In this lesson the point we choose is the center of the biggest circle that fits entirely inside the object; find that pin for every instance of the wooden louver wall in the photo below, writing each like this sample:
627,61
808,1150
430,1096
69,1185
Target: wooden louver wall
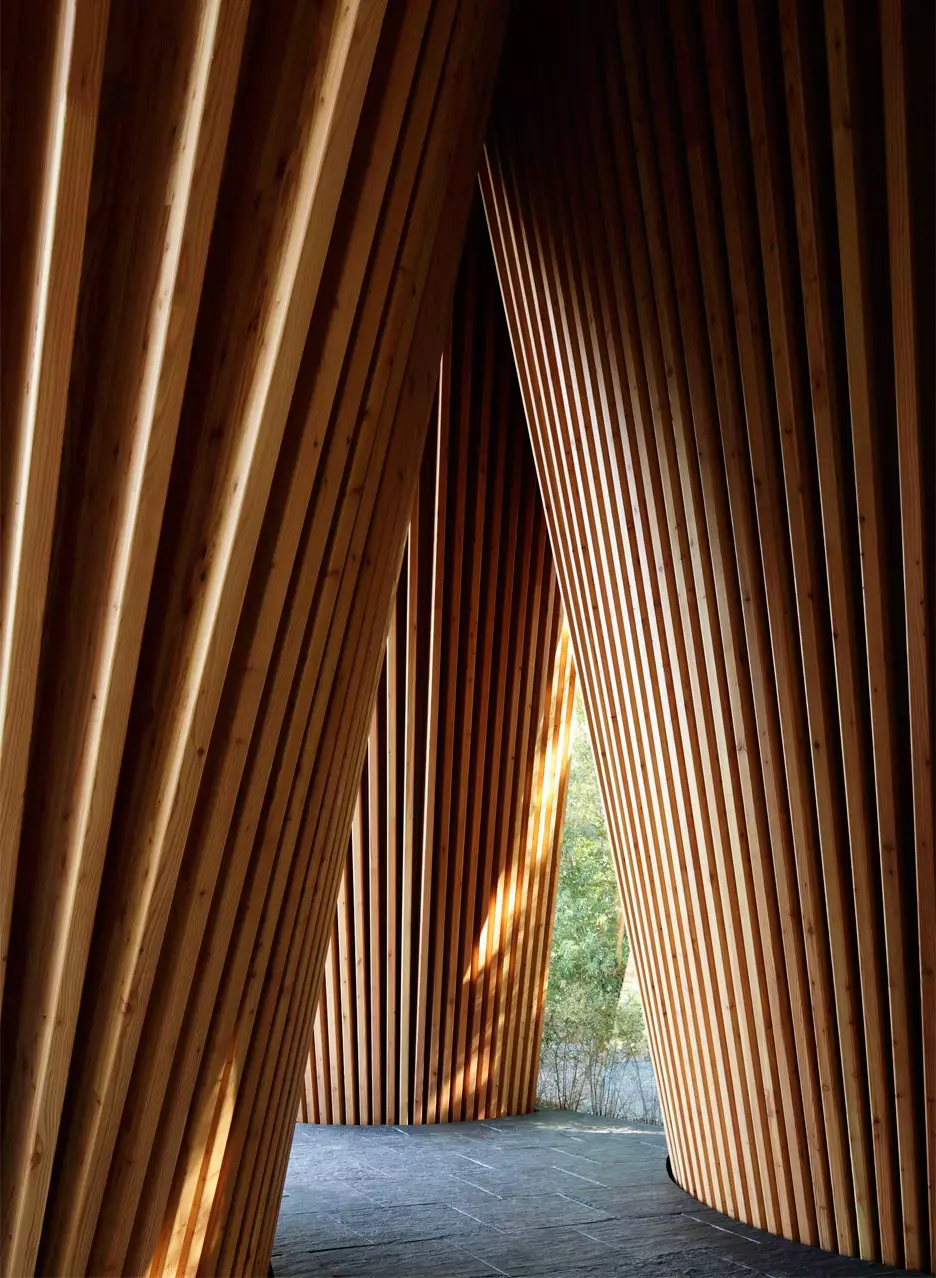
230,238
714,227
433,994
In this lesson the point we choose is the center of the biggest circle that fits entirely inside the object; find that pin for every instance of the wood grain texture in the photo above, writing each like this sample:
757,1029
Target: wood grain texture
484,811
237,230
713,227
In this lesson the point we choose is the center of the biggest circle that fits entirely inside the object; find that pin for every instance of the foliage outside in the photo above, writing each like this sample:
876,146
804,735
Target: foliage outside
594,1055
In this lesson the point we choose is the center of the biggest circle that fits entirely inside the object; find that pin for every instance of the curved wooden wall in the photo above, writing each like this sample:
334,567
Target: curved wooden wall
715,237
230,239
434,981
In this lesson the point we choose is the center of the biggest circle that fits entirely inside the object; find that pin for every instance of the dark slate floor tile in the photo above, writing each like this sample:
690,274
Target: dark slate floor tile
527,1183
384,1225
320,1196
659,1236
633,1203
515,1215
301,1232
552,1250
545,1194
438,1259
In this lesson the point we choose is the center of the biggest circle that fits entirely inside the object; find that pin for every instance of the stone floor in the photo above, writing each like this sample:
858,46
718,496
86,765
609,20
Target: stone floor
547,1194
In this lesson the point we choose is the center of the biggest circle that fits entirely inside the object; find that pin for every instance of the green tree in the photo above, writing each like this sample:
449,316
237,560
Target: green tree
589,950
594,1040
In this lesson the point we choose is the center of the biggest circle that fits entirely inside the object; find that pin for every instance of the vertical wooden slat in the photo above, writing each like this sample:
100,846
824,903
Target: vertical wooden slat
918,587
465,883
560,762
444,918
489,883
475,818
392,861
865,401
361,1000
496,392
348,1028
375,931
407,877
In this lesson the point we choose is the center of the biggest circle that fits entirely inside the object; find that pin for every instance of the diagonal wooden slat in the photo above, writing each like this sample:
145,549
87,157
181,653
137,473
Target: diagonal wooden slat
218,424
707,244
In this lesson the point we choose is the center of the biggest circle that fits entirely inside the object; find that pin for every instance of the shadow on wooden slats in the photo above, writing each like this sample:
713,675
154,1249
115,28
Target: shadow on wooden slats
237,231
709,253
453,913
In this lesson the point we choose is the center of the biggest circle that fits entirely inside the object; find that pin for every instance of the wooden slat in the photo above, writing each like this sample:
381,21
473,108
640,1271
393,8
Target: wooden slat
465,878
375,931
408,899
742,565
541,251
470,824
868,406
358,902
325,356
391,866
489,882
496,389
189,595
231,478
551,464
918,588
414,381
433,723
132,426
50,141
444,916
263,1071
715,577
558,782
